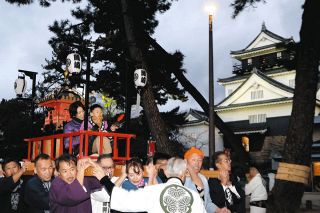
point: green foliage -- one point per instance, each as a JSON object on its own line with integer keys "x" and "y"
{"x": 109, "y": 105}
{"x": 239, "y": 5}
{"x": 139, "y": 127}
{"x": 43, "y": 3}
{"x": 101, "y": 28}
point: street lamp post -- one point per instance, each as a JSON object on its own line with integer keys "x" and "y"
{"x": 33, "y": 77}
{"x": 211, "y": 94}
{"x": 86, "y": 94}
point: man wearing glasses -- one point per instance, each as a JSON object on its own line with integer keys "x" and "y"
{"x": 100, "y": 200}
{"x": 224, "y": 190}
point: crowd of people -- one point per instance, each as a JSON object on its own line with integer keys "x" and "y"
{"x": 164, "y": 184}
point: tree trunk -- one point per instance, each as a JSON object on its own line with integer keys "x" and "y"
{"x": 137, "y": 51}
{"x": 286, "y": 196}
{"x": 240, "y": 154}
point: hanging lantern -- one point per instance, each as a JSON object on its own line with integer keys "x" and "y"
{"x": 20, "y": 86}
{"x": 151, "y": 146}
{"x": 140, "y": 77}
{"x": 245, "y": 143}
{"x": 74, "y": 63}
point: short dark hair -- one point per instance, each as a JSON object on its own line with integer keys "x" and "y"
{"x": 216, "y": 157}
{"x": 104, "y": 156}
{"x": 65, "y": 158}
{"x": 41, "y": 156}
{"x": 9, "y": 160}
{"x": 73, "y": 108}
{"x": 160, "y": 156}
{"x": 92, "y": 107}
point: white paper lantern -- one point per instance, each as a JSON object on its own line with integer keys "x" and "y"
{"x": 20, "y": 86}
{"x": 140, "y": 77}
{"x": 74, "y": 63}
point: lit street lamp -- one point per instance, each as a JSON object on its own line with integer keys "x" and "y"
{"x": 210, "y": 10}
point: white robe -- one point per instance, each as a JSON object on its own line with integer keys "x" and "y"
{"x": 258, "y": 192}
{"x": 100, "y": 200}
{"x": 170, "y": 197}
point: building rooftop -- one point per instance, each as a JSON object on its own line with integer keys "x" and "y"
{"x": 242, "y": 77}
{"x": 266, "y": 32}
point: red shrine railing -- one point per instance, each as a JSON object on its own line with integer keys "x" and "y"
{"x": 53, "y": 145}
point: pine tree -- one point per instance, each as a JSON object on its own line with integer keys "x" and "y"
{"x": 286, "y": 196}
{"x": 111, "y": 47}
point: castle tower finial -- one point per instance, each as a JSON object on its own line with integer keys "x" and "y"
{"x": 263, "y": 26}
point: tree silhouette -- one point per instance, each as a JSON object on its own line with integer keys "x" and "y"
{"x": 112, "y": 47}
{"x": 286, "y": 196}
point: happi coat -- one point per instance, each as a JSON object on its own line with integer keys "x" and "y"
{"x": 169, "y": 197}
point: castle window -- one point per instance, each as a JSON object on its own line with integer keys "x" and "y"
{"x": 256, "y": 95}
{"x": 260, "y": 118}
{"x": 292, "y": 83}
{"x": 249, "y": 61}
{"x": 291, "y": 56}
{"x": 279, "y": 55}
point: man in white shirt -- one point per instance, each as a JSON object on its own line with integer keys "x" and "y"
{"x": 257, "y": 190}
{"x": 100, "y": 200}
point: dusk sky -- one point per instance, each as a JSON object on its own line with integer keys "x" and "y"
{"x": 24, "y": 37}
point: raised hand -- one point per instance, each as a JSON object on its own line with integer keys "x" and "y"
{"x": 151, "y": 170}
{"x": 83, "y": 164}
{"x": 122, "y": 177}
{"x": 114, "y": 127}
{"x": 98, "y": 172}
{"x": 25, "y": 166}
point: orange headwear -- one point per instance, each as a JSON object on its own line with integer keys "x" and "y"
{"x": 191, "y": 151}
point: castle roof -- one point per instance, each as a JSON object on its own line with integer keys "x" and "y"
{"x": 264, "y": 41}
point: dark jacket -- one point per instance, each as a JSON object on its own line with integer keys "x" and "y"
{"x": 6, "y": 188}
{"x": 36, "y": 196}
{"x": 217, "y": 195}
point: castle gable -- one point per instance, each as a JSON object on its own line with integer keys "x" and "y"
{"x": 258, "y": 88}
{"x": 262, "y": 40}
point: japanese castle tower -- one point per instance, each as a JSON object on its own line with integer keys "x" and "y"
{"x": 258, "y": 97}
